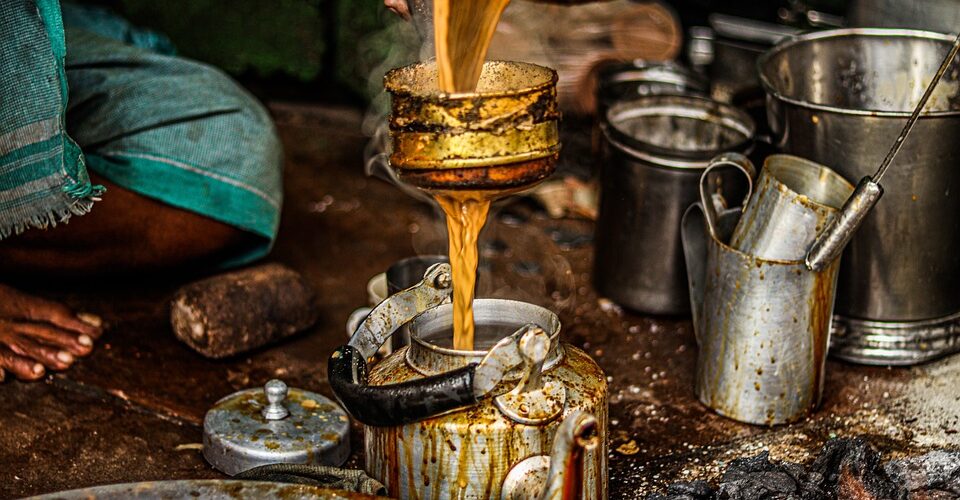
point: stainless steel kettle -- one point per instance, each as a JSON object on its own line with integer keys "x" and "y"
{"x": 523, "y": 416}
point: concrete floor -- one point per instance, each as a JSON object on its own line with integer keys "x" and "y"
{"x": 133, "y": 410}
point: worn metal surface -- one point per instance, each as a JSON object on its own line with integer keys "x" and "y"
{"x": 656, "y": 147}
{"x": 623, "y": 81}
{"x": 900, "y": 267}
{"x": 133, "y": 410}
{"x": 263, "y": 426}
{"x": 385, "y": 319}
{"x": 468, "y": 453}
{"x": 792, "y": 202}
{"x": 838, "y": 232}
{"x": 762, "y": 325}
{"x": 503, "y": 135}
{"x": 214, "y": 489}
{"x": 935, "y": 15}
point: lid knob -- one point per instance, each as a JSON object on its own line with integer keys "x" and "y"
{"x": 276, "y": 392}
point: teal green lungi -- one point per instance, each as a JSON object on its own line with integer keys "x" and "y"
{"x": 168, "y": 128}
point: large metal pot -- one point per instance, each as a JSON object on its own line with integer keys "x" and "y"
{"x": 933, "y": 15}
{"x": 522, "y": 417}
{"x": 655, "y": 150}
{"x": 840, "y": 98}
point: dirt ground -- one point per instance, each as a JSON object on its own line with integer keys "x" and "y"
{"x": 126, "y": 412}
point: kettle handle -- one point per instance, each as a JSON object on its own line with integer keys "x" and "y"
{"x": 714, "y": 203}
{"x": 397, "y": 404}
{"x": 415, "y": 400}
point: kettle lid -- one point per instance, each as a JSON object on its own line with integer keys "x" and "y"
{"x": 275, "y": 424}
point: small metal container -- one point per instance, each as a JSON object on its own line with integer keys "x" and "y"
{"x": 504, "y": 135}
{"x": 655, "y": 149}
{"x": 792, "y": 203}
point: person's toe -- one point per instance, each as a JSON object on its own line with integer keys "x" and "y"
{"x": 75, "y": 344}
{"x": 50, "y": 357}
{"x": 15, "y": 305}
{"x": 21, "y": 367}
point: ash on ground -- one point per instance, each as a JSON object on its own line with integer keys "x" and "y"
{"x": 844, "y": 469}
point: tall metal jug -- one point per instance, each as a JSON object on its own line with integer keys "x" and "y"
{"x": 840, "y": 98}
{"x": 762, "y": 325}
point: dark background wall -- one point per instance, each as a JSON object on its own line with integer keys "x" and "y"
{"x": 321, "y": 49}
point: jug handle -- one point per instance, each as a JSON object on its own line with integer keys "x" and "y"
{"x": 397, "y": 404}
{"x": 714, "y": 204}
{"x": 577, "y": 433}
{"x": 693, "y": 236}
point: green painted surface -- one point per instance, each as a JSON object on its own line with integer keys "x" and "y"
{"x": 265, "y": 38}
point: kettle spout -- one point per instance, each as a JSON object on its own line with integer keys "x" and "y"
{"x": 578, "y": 433}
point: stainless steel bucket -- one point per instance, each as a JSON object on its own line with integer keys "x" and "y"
{"x": 840, "y": 98}
{"x": 933, "y": 15}
{"x": 762, "y": 325}
{"x": 656, "y": 147}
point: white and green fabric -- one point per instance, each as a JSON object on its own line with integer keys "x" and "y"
{"x": 168, "y": 128}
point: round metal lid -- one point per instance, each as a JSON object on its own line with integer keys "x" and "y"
{"x": 272, "y": 425}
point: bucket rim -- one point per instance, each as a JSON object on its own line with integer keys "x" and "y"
{"x": 786, "y": 161}
{"x": 733, "y": 118}
{"x": 794, "y": 40}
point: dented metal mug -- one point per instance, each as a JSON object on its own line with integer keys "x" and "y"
{"x": 792, "y": 202}
{"x": 762, "y": 325}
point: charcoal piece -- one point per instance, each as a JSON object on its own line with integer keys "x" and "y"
{"x": 933, "y": 476}
{"x": 693, "y": 490}
{"x": 851, "y": 468}
{"x": 847, "y": 469}
{"x": 757, "y": 478}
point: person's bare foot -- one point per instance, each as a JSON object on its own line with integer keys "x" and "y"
{"x": 37, "y": 335}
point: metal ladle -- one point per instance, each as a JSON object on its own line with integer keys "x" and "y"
{"x": 838, "y": 232}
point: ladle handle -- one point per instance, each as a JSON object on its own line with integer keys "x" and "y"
{"x": 834, "y": 238}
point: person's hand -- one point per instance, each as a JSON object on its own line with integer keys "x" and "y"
{"x": 399, "y": 7}
{"x": 37, "y": 335}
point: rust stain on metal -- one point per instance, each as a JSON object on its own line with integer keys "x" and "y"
{"x": 503, "y": 135}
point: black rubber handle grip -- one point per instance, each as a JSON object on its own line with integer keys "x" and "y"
{"x": 396, "y": 404}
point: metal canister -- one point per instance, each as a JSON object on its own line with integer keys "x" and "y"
{"x": 656, "y": 149}
{"x": 623, "y": 81}
{"x": 522, "y": 417}
{"x": 504, "y": 135}
{"x": 840, "y": 98}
